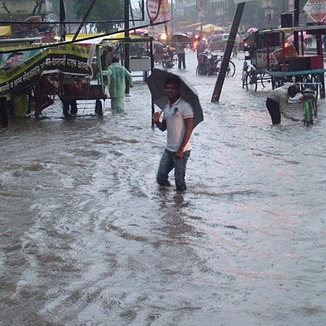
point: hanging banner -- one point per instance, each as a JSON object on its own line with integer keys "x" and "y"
{"x": 164, "y": 13}
{"x": 19, "y": 75}
{"x": 153, "y": 9}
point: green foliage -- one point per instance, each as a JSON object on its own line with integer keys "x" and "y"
{"x": 103, "y": 10}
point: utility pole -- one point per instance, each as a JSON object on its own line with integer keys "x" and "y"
{"x": 173, "y": 15}
{"x": 62, "y": 27}
{"x": 127, "y": 39}
{"x": 227, "y": 53}
{"x": 296, "y": 16}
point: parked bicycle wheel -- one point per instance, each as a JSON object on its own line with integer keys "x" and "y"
{"x": 230, "y": 70}
{"x": 244, "y": 74}
{"x": 251, "y": 80}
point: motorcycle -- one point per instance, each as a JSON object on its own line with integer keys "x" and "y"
{"x": 208, "y": 63}
{"x": 168, "y": 58}
{"x": 202, "y": 67}
{"x": 213, "y": 67}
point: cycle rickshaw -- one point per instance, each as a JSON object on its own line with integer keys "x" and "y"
{"x": 258, "y": 57}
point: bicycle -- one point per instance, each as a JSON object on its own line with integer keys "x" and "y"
{"x": 309, "y": 106}
{"x": 251, "y": 76}
{"x": 210, "y": 64}
{"x": 230, "y": 70}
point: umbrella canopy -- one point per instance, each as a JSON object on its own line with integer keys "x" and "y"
{"x": 252, "y": 30}
{"x": 180, "y": 38}
{"x": 305, "y": 37}
{"x": 119, "y": 36}
{"x": 140, "y": 31}
{"x": 155, "y": 83}
{"x": 210, "y": 28}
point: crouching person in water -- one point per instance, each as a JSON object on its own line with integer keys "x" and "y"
{"x": 178, "y": 120}
{"x": 277, "y": 101}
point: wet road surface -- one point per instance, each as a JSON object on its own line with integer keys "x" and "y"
{"x": 88, "y": 238}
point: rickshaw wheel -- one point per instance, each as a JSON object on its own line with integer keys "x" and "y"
{"x": 98, "y": 108}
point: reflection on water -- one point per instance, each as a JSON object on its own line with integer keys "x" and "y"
{"x": 88, "y": 238}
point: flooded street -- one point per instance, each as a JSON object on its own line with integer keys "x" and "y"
{"x": 88, "y": 238}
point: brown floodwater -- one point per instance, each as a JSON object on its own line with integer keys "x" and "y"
{"x": 88, "y": 238}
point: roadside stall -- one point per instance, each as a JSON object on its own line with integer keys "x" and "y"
{"x": 296, "y": 65}
{"x": 139, "y": 60}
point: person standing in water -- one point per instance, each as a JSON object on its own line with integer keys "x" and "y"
{"x": 178, "y": 118}
{"x": 118, "y": 77}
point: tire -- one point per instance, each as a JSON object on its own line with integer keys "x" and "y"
{"x": 244, "y": 74}
{"x": 231, "y": 69}
{"x": 251, "y": 80}
{"x": 308, "y": 117}
{"x": 218, "y": 66}
{"x": 98, "y": 108}
{"x": 201, "y": 70}
{"x": 314, "y": 108}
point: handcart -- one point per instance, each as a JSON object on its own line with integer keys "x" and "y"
{"x": 75, "y": 88}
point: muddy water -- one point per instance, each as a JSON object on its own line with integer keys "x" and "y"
{"x": 87, "y": 237}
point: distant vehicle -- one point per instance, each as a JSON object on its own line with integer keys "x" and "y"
{"x": 218, "y": 42}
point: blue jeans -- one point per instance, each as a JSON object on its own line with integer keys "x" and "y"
{"x": 167, "y": 163}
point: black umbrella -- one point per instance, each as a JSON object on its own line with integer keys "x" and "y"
{"x": 180, "y": 38}
{"x": 155, "y": 83}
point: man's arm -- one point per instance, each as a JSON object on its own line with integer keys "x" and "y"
{"x": 156, "y": 119}
{"x": 287, "y": 115}
{"x": 189, "y": 128}
{"x": 129, "y": 77}
{"x": 283, "y": 105}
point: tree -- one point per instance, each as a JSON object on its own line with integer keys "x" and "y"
{"x": 103, "y": 10}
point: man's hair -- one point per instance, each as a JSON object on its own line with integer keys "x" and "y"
{"x": 293, "y": 90}
{"x": 115, "y": 59}
{"x": 173, "y": 80}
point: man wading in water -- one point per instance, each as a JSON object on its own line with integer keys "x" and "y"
{"x": 178, "y": 118}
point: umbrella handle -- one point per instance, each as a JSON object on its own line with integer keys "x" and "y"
{"x": 157, "y": 116}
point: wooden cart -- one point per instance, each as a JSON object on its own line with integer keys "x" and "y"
{"x": 74, "y": 88}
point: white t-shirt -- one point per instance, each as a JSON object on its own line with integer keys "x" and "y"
{"x": 176, "y": 127}
{"x": 280, "y": 95}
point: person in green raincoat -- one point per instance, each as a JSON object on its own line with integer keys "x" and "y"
{"x": 118, "y": 76}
